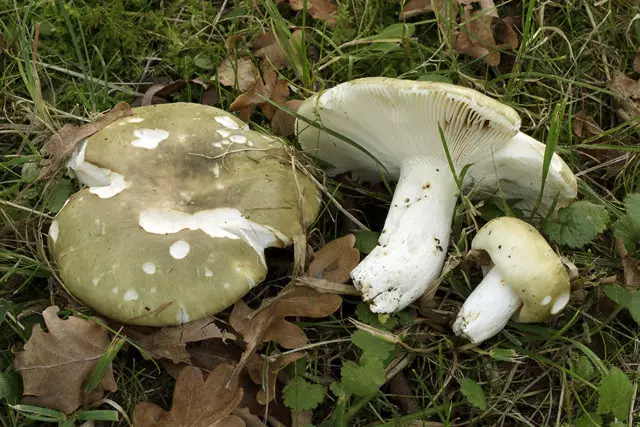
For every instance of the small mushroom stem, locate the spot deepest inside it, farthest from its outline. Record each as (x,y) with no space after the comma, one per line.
(488,309)
(413,243)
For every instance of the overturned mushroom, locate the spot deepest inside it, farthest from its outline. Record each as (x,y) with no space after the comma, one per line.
(397,122)
(527,281)
(182,201)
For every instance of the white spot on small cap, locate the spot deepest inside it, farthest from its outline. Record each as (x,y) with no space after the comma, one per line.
(216,170)
(130,295)
(217,145)
(183,317)
(54,230)
(182,138)
(223,133)
(227,122)
(114,290)
(153,290)
(179,249)
(546,300)
(227,286)
(149,267)
(134,119)
(238,139)
(560,303)
(208,273)
(149,138)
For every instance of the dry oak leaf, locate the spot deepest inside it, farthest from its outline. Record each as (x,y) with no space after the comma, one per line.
(322,10)
(196,402)
(55,365)
(264,371)
(171,342)
(60,145)
(585,126)
(268,323)
(628,96)
(283,123)
(267,87)
(414,8)
(273,51)
(241,72)
(335,260)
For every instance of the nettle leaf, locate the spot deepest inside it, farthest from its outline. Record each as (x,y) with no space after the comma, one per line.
(363,380)
(616,392)
(627,228)
(589,420)
(617,294)
(365,315)
(372,346)
(301,395)
(474,393)
(366,241)
(634,306)
(578,224)
(60,193)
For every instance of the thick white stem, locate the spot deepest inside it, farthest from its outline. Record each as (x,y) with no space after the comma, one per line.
(487,310)
(413,243)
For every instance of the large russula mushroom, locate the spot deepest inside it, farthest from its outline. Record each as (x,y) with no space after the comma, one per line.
(397,122)
(182,201)
(527,281)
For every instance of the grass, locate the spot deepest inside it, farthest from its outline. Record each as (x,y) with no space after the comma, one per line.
(69,61)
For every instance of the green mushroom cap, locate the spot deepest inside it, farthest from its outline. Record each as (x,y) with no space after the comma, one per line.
(182,200)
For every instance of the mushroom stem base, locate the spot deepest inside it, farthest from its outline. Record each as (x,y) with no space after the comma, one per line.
(413,244)
(488,309)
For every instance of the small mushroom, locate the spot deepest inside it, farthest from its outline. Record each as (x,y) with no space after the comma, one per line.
(182,201)
(527,282)
(398,123)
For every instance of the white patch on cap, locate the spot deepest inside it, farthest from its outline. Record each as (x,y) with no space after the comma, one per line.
(149,268)
(182,138)
(217,145)
(208,273)
(227,122)
(183,317)
(560,303)
(219,186)
(153,290)
(223,133)
(216,170)
(134,119)
(179,249)
(149,138)
(130,295)
(54,230)
(225,142)
(227,286)
(102,182)
(250,144)
(116,185)
(114,290)
(238,139)
(225,223)
(546,300)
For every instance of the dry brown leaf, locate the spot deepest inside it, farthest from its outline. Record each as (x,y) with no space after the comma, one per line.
(60,145)
(249,419)
(335,260)
(636,61)
(283,123)
(414,8)
(171,342)
(323,10)
(196,402)
(55,365)
(630,266)
(585,126)
(327,287)
(476,37)
(267,87)
(242,73)
(271,49)
(279,95)
(268,322)
(627,100)
(264,371)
